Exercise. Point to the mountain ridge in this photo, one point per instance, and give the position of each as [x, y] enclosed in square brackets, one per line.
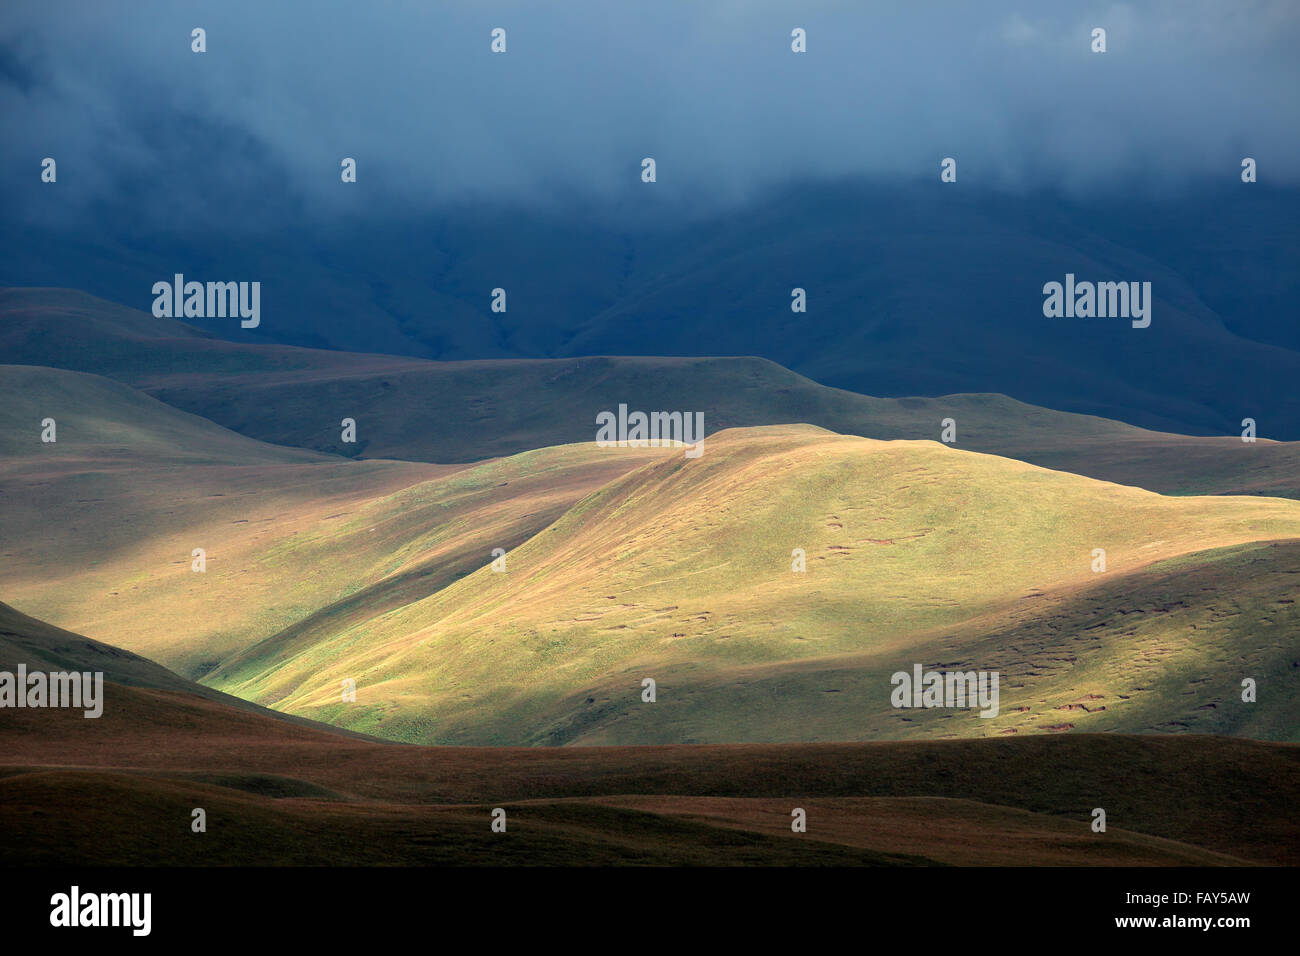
[419, 410]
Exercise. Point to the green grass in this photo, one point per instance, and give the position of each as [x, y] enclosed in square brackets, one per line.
[680, 571]
[626, 564]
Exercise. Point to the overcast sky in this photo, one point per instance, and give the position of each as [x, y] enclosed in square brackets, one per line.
[254, 128]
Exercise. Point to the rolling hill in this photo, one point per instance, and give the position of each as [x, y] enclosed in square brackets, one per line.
[421, 410]
[631, 563]
[680, 571]
[129, 679]
[278, 791]
[99, 527]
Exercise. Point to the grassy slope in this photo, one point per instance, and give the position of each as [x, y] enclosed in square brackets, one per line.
[99, 420]
[680, 571]
[463, 411]
[321, 569]
[1159, 650]
[278, 793]
[42, 647]
[98, 528]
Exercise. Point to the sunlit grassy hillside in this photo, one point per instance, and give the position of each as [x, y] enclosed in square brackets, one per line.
[99, 527]
[680, 571]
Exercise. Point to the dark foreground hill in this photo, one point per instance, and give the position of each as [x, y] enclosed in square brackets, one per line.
[46, 648]
[121, 789]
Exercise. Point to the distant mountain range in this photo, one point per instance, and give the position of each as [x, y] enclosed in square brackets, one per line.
[421, 410]
[910, 291]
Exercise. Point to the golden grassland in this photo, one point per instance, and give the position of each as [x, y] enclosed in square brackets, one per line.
[680, 571]
[627, 564]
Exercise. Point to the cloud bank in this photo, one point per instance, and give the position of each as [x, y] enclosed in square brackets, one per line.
[253, 130]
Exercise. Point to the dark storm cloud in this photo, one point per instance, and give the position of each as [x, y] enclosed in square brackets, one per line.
[17, 68]
[253, 130]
